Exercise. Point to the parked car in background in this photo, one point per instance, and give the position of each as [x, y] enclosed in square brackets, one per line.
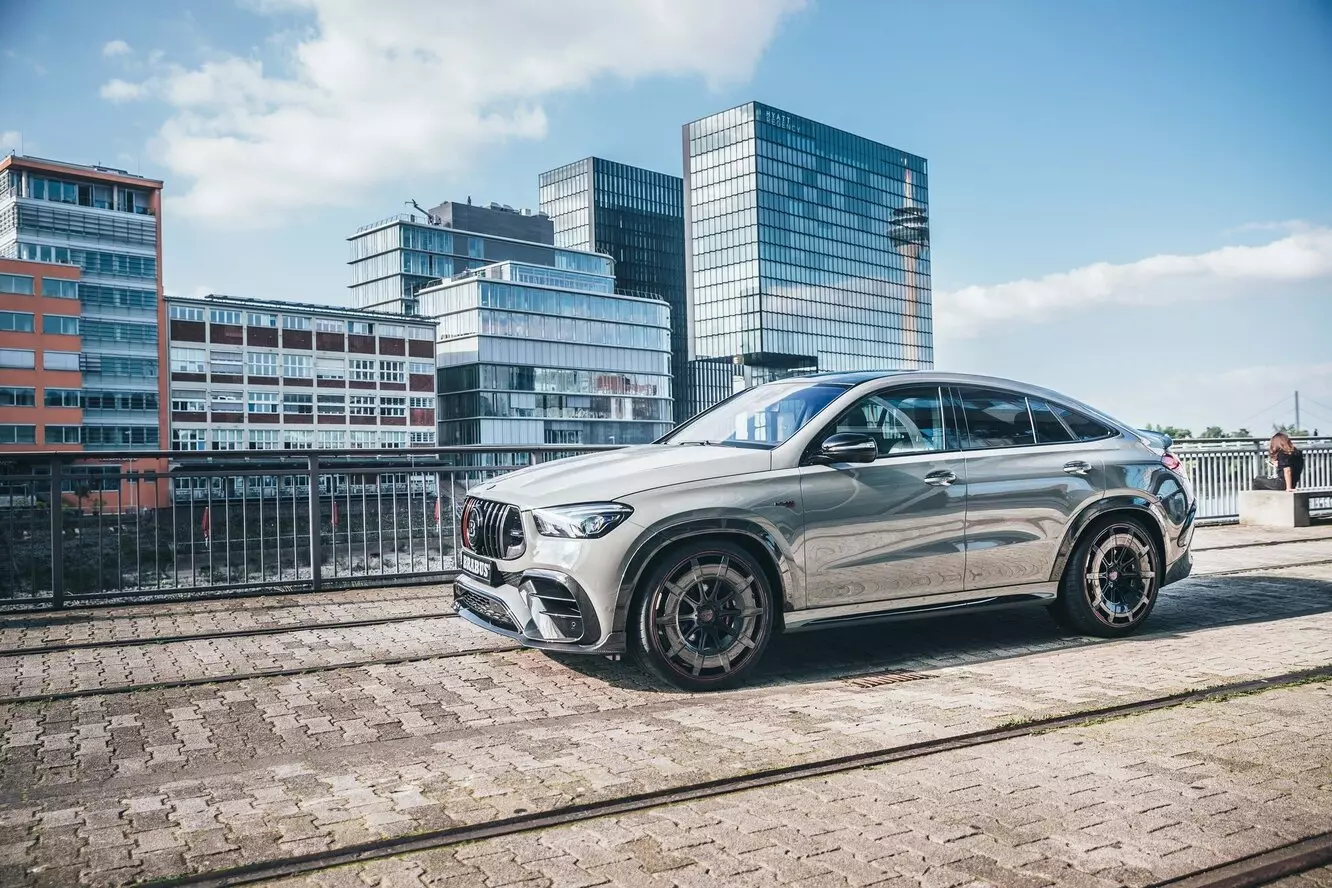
[826, 500]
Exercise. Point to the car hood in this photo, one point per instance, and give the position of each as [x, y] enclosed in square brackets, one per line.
[606, 476]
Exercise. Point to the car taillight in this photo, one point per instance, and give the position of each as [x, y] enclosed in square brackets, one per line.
[1170, 461]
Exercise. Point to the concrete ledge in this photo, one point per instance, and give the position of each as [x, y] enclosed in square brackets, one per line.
[1275, 508]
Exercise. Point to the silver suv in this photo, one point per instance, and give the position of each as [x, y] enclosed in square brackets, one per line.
[823, 501]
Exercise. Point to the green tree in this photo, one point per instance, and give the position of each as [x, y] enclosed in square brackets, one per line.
[1240, 433]
[1174, 432]
[1290, 429]
[1213, 432]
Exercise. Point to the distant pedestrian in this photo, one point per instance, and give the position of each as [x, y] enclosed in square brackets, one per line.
[1289, 462]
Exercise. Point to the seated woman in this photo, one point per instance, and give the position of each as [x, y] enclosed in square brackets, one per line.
[1289, 462]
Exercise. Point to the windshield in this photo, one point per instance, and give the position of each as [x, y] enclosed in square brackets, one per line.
[759, 417]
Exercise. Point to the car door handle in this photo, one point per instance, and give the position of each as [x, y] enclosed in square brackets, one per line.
[1077, 467]
[941, 478]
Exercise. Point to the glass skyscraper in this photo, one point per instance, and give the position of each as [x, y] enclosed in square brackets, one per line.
[808, 249]
[636, 216]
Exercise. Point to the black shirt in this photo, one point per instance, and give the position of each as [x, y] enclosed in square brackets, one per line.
[1293, 461]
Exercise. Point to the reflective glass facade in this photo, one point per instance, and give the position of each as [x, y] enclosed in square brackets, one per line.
[536, 356]
[392, 260]
[808, 247]
[636, 216]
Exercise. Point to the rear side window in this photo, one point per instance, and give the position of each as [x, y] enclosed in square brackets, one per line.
[994, 419]
[1084, 428]
[1049, 428]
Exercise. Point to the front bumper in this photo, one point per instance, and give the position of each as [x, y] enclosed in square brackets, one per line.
[540, 608]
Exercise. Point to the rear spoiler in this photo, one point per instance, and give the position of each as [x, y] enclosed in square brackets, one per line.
[1159, 440]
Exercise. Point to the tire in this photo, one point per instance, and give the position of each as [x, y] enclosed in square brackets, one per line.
[1112, 580]
[702, 617]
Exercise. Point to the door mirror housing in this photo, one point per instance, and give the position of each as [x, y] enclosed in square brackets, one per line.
[847, 448]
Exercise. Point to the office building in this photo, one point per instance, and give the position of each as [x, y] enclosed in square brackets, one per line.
[391, 260]
[808, 249]
[636, 217]
[248, 374]
[103, 222]
[534, 354]
[40, 382]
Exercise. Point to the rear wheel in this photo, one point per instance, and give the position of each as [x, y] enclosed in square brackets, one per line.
[703, 616]
[1111, 582]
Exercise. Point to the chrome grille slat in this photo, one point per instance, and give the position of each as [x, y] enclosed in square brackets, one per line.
[494, 521]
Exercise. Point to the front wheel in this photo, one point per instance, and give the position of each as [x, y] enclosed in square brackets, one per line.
[1112, 580]
[703, 616]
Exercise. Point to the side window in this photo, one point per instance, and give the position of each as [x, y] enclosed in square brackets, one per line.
[1084, 428]
[994, 419]
[900, 420]
[1049, 428]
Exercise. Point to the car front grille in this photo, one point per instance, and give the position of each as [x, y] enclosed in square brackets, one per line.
[491, 610]
[492, 530]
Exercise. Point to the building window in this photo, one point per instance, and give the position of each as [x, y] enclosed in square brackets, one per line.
[16, 283]
[423, 439]
[418, 403]
[295, 402]
[63, 398]
[332, 440]
[188, 402]
[476, 248]
[187, 360]
[263, 364]
[186, 313]
[417, 368]
[330, 325]
[18, 397]
[361, 328]
[96, 400]
[260, 319]
[330, 368]
[263, 402]
[363, 440]
[296, 322]
[297, 439]
[225, 316]
[263, 439]
[16, 321]
[296, 366]
[392, 406]
[17, 358]
[187, 439]
[392, 371]
[332, 405]
[63, 434]
[227, 402]
[362, 405]
[54, 360]
[18, 434]
[61, 325]
[426, 333]
[57, 288]
[392, 331]
[226, 363]
[228, 439]
[393, 439]
[362, 370]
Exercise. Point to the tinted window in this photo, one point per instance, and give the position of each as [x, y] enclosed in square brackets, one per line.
[1084, 429]
[759, 417]
[994, 419]
[906, 420]
[1049, 428]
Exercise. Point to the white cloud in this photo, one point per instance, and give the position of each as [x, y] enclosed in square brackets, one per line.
[116, 48]
[1304, 254]
[118, 90]
[377, 90]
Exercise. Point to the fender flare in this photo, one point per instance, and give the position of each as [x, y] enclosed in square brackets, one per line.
[1141, 506]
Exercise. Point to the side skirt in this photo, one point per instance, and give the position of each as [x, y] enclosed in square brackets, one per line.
[913, 608]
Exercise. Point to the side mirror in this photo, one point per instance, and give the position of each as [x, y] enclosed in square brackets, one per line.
[847, 448]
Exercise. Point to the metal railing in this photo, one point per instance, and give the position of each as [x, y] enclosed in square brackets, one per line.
[1220, 468]
[141, 525]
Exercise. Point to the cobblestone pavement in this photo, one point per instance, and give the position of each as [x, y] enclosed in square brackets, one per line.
[1129, 802]
[110, 789]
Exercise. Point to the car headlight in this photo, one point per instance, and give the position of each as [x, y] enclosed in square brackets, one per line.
[582, 522]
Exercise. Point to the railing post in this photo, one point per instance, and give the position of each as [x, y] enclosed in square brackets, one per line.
[57, 539]
[316, 553]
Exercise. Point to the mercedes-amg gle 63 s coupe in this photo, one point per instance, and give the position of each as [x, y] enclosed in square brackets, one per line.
[828, 500]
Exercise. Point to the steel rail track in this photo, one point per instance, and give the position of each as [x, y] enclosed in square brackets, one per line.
[1262, 868]
[252, 873]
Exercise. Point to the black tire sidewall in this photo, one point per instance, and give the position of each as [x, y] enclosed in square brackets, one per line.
[643, 651]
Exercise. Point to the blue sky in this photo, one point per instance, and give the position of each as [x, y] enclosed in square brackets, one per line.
[1071, 146]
